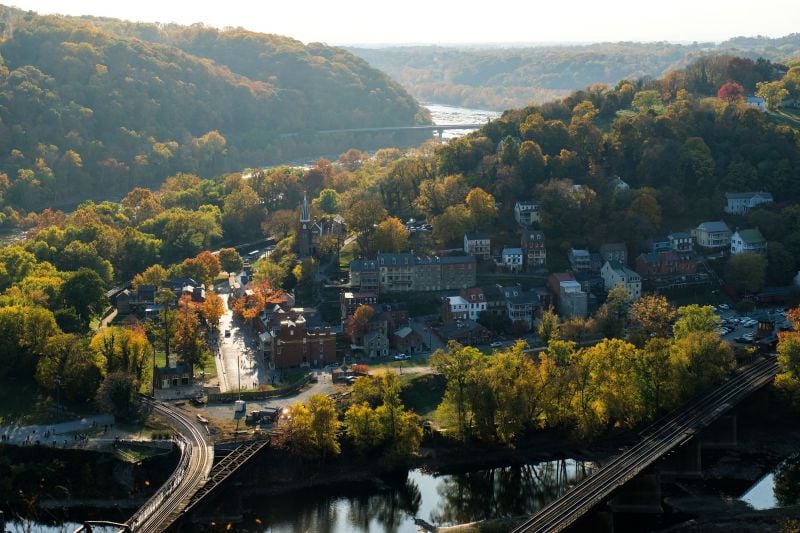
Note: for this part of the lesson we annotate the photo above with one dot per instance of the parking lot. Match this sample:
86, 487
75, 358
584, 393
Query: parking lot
741, 328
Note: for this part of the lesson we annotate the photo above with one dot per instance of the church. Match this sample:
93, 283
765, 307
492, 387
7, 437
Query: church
309, 232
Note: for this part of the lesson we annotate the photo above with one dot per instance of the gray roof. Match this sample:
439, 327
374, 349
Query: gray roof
679, 235
477, 236
746, 195
363, 265
714, 226
512, 251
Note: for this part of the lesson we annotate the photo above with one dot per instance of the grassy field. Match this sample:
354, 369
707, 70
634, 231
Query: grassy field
786, 117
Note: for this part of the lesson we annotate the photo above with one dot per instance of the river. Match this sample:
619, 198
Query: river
447, 114
439, 500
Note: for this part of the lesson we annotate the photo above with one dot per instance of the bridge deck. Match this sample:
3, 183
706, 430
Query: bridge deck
663, 436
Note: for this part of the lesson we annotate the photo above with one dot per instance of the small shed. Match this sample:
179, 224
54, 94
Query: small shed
178, 376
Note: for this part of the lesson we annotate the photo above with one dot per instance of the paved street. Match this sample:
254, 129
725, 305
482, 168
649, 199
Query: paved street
31, 434
238, 361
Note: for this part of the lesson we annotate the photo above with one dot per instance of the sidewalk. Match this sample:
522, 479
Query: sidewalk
30, 434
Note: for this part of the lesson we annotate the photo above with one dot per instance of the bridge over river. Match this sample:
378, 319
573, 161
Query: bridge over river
432, 128
660, 438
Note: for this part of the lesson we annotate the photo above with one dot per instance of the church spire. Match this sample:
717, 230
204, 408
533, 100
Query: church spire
305, 216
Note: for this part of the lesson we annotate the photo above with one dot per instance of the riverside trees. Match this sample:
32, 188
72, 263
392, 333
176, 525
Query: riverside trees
613, 384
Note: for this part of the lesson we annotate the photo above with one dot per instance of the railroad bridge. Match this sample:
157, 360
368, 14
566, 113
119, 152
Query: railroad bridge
439, 129
629, 479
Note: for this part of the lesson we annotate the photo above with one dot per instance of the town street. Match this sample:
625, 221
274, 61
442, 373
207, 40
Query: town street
239, 365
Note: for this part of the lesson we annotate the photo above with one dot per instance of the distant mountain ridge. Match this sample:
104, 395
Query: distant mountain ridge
99, 104
503, 78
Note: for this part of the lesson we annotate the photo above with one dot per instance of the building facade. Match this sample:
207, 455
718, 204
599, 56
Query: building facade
748, 241
533, 249
713, 235
526, 212
739, 203
615, 274
478, 244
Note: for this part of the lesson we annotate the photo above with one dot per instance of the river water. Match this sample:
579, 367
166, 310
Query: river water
447, 114
779, 488
439, 500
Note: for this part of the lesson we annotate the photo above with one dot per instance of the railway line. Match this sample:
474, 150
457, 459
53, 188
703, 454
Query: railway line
658, 439
197, 458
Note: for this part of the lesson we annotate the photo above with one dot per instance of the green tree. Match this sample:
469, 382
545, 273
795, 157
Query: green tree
188, 339
84, 291
450, 226
324, 425
327, 201
773, 93
363, 217
653, 374
746, 272
118, 395
700, 359
363, 426
695, 318
644, 101
242, 213
458, 364
68, 365
230, 261
612, 315
548, 326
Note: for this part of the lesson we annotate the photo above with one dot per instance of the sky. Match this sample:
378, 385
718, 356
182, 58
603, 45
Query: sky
340, 22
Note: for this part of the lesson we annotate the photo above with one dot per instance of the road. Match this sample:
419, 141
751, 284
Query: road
197, 458
663, 436
239, 363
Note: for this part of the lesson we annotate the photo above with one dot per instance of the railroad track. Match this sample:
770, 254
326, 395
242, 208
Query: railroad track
197, 458
658, 439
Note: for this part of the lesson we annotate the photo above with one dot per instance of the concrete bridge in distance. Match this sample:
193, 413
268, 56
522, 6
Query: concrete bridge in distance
432, 128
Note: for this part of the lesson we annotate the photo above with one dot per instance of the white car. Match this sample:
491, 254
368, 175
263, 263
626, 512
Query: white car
401, 357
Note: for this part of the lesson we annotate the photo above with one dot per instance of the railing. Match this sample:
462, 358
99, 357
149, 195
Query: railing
228, 397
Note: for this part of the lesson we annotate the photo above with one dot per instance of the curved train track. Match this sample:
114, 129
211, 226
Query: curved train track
197, 457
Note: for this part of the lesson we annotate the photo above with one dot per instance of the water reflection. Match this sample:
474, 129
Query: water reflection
440, 500
779, 488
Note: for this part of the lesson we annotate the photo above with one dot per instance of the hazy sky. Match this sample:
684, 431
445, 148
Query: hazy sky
460, 21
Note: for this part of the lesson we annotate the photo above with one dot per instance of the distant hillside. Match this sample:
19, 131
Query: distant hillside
97, 106
502, 78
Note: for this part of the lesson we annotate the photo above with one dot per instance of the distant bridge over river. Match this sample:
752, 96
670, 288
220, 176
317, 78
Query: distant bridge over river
432, 128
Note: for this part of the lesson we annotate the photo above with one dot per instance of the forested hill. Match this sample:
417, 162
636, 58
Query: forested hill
96, 107
502, 78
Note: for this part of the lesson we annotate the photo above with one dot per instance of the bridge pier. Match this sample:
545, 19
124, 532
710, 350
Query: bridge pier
641, 495
684, 462
722, 433
440, 133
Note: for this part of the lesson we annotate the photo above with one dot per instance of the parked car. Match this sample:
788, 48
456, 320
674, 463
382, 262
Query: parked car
401, 357
496, 344
724, 307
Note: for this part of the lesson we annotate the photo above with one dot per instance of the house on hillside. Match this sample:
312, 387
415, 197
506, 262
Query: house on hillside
748, 241
478, 244
615, 251
739, 203
512, 259
614, 274
580, 260
526, 212
757, 102
713, 236
534, 252
681, 241
454, 308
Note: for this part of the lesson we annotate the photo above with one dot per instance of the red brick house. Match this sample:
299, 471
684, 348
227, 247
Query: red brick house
293, 345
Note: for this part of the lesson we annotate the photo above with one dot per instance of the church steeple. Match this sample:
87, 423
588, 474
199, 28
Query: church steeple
305, 216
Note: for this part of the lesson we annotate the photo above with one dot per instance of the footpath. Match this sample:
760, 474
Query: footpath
70, 434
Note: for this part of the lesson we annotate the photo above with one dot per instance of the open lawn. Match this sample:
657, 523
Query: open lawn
785, 116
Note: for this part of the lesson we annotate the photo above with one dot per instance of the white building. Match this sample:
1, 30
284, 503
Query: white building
739, 203
512, 259
757, 102
476, 300
712, 235
613, 274
748, 241
526, 212
459, 307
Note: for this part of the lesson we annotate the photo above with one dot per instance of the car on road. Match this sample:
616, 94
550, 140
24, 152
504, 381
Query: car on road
496, 344
401, 357
724, 307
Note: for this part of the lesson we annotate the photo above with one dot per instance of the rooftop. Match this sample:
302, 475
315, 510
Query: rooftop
477, 236
714, 226
751, 236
